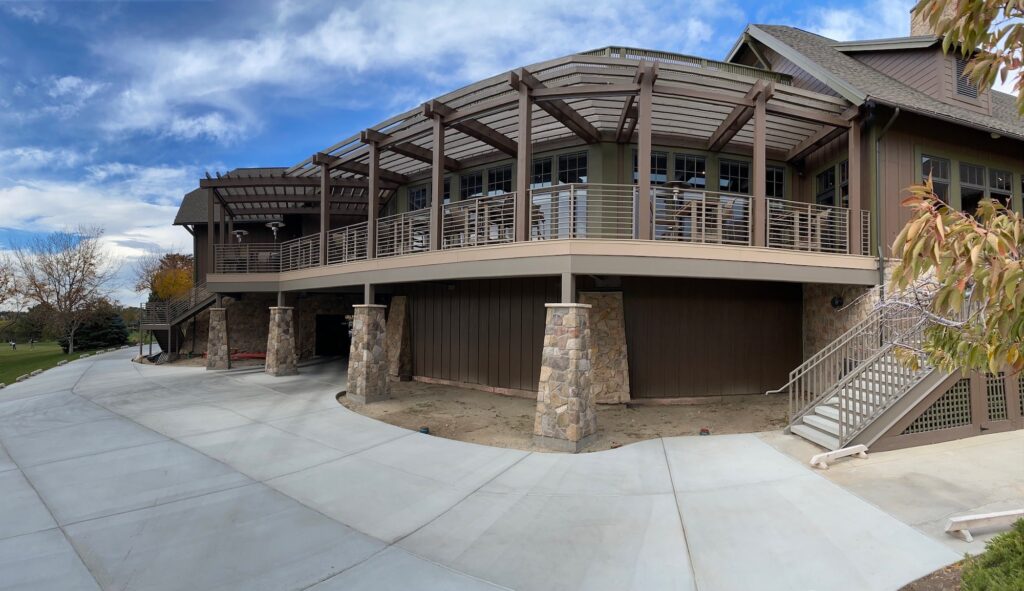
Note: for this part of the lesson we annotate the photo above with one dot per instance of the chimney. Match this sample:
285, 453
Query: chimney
919, 25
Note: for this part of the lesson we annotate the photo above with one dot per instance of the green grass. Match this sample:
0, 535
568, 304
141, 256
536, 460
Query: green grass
26, 360
1000, 567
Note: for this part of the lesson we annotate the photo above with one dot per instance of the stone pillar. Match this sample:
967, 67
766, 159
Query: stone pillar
281, 355
609, 383
218, 350
566, 414
399, 344
368, 359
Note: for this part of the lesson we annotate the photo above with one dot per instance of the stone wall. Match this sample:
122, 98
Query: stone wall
281, 358
822, 322
609, 363
249, 320
566, 412
368, 359
399, 343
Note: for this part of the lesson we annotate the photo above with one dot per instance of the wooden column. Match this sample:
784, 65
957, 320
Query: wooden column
853, 178
643, 152
760, 213
223, 214
372, 201
325, 216
209, 235
524, 164
437, 183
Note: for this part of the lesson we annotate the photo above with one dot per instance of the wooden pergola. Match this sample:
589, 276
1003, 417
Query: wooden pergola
620, 95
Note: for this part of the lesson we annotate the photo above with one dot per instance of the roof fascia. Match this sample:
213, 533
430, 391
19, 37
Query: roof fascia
887, 44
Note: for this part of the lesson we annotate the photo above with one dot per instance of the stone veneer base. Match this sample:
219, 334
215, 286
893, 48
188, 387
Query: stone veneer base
218, 349
562, 445
281, 354
368, 356
565, 403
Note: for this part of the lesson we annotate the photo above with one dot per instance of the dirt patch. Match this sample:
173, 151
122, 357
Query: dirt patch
503, 421
945, 579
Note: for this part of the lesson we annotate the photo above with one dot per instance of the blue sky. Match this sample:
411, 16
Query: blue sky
110, 112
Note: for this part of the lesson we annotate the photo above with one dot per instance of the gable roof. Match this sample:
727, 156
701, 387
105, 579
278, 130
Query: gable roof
857, 82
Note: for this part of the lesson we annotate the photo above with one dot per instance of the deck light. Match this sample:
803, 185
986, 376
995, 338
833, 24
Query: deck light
274, 226
239, 233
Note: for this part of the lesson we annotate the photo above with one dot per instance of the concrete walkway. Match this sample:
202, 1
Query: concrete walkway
120, 476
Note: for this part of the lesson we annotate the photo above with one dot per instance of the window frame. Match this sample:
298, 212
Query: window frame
741, 165
946, 182
417, 189
563, 160
465, 187
505, 171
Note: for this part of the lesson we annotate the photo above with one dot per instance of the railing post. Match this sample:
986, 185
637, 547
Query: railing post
760, 209
853, 184
524, 166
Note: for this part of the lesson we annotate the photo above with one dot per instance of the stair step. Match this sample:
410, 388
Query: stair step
822, 423
815, 436
828, 411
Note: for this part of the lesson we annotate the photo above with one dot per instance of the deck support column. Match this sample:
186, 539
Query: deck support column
281, 354
325, 215
853, 178
643, 152
568, 288
760, 170
524, 164
566, 414
437, 182
372, 200
210, 267
218, 349
368, 356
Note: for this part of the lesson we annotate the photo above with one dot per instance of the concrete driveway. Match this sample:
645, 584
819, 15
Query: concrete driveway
120, 476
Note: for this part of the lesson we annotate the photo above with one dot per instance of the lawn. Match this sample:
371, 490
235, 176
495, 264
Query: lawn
25, 359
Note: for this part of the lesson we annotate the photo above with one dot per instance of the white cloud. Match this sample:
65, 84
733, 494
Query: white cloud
879, 19
29, 158
205, 87
30, 11
73, 86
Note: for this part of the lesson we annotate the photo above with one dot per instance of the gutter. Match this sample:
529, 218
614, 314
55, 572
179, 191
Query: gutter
872, 105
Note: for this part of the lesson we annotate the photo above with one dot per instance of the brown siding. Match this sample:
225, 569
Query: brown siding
487, 332
801, 79
920, 69
693, 337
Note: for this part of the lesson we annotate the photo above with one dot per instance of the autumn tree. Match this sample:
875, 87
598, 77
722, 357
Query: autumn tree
68, 272
8, 287
164, 276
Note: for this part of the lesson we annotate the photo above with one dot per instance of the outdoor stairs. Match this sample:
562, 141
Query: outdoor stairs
165, 315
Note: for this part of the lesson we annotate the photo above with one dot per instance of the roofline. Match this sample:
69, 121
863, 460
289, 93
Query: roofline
888, 44
844, 88
948, 119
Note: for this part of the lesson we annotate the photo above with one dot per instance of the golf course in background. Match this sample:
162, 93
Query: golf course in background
25, 360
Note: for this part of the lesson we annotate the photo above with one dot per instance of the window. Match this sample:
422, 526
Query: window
471, 185
938, 169
844, 183
419, 197
659, 168
734, 176
825, 187
775, 182
964, 87
499, 180
572, 168
691, 170
972, 186
447, 190
1000, 184
541, 173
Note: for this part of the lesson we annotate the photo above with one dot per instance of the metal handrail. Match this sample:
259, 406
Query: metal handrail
166, 312
300, 253
583, 210
795, 225
347, 244
694, 215
865, 232
479, 222
403, 233
247, 258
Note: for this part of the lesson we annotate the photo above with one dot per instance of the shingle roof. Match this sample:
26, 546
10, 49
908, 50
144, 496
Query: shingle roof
194, 204
857, 80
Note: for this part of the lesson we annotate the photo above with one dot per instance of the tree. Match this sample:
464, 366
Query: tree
165, 276
992, 31
102, 327
8, 287
68, 272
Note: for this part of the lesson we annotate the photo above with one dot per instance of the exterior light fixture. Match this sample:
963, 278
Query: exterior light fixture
837, 302
239, 233
274, 227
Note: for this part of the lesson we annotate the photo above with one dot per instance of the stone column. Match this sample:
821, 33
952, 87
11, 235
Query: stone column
566, 414
281, 356
609, 383
399, 345
368, 359
218, 351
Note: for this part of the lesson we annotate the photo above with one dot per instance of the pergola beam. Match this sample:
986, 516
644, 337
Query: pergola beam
556, 107
357, 168
474, 129
287, 181
739, 117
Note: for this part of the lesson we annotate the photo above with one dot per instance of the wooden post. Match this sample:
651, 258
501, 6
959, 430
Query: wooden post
325, 216
372, 200
209, 235
223, 214
524, 165
853, 186
437, 183
759, 217
568, 289
643, 152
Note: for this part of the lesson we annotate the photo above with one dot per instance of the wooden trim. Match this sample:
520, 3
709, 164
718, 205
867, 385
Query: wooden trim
643, 159
437, 182
524, 165
739, 116
853, 170
556, 107
373, 202
759, 170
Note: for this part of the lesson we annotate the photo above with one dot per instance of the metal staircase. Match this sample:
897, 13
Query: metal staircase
841, 390
164, 319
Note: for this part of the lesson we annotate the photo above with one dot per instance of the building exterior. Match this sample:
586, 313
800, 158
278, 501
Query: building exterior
503, 236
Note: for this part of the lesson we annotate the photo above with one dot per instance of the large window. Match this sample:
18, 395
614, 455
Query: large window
499, 180
972, 186
938, 169
691, 170
659, 168
541, 176
734, 176
572, 168
419, 197
471, 185
1000, 185
825, 187
775, 182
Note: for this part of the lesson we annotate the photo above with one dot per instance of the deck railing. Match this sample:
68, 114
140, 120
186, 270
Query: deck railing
403, 233
578, 211
479, 222
794, 225
347, 244
168, 311
691, 215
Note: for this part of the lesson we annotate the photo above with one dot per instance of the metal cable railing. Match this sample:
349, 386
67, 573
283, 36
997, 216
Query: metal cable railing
811, 227
247, 258
347, 244
479, 222
691, 215
300, 253
579, 211
403, 233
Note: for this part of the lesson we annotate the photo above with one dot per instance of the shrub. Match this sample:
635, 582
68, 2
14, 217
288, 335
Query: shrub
1000, 567
104, 328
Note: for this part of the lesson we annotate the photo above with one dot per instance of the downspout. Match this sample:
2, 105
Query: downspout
878, 196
